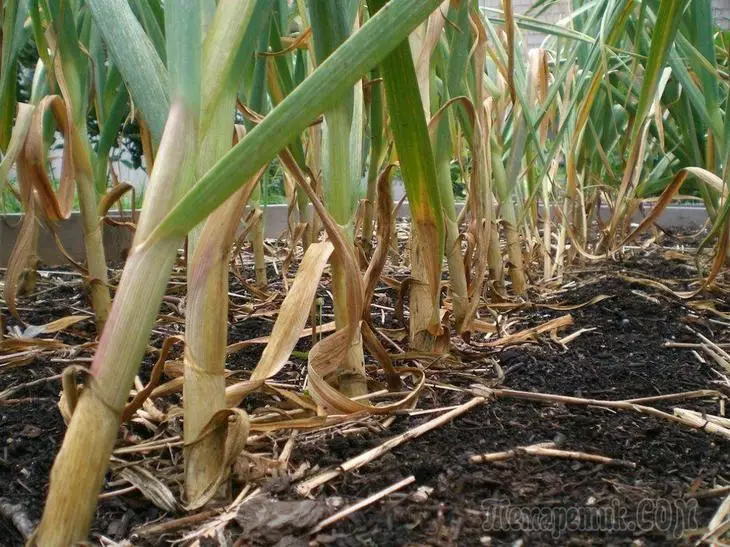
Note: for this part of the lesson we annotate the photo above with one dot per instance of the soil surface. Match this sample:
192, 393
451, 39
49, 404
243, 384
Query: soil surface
530, 498
525, 500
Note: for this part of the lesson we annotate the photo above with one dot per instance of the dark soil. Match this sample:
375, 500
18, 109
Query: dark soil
530, 498
473, 504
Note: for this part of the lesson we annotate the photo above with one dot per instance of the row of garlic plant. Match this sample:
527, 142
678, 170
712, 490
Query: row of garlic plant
70, 74
199, 80
637, 102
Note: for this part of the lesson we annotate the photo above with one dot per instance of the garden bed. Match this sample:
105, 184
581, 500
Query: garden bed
665, 487
118, 235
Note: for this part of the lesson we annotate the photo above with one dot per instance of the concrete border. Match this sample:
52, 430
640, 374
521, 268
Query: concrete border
118, 239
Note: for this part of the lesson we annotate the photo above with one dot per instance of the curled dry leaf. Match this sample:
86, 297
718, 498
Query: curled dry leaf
112, 196
40, 200
571, 307
236, 422
21, 344
326, 355
151, 487
529, 334
155, 376
293, 313
708, 306
31, 331
325, 328
22, 257
70, 391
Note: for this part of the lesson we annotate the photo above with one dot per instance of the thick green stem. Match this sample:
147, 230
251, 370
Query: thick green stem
514, 255
259, 255
206, 332
332, 22
78, 471
92, 227
509, 218
339, 195
423, 313
452, 249
416, 158
306, 217
233, 30
494, 260
368, 219
377, 151
351, 378
79, 468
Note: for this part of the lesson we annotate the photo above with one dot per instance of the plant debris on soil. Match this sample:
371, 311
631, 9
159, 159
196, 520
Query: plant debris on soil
631, 348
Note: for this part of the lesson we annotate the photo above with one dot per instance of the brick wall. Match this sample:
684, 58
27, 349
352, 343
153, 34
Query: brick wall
720, 8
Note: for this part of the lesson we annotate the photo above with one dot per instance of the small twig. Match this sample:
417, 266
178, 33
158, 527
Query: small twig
288, 447
719, 420
710, 493
690, 345
387, 339
152, 445
71, 361
305, 487
572, 336
242, 496
25, 401
222, 518
714, 346
405, 412
114, 493
717, 532
620, 405
445, 387
574, 455
363, 503
699, 357
17, 355
698, 394
717, 357
157, 530
544, 449
702, 422
13, 390
507, 454
646, 297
